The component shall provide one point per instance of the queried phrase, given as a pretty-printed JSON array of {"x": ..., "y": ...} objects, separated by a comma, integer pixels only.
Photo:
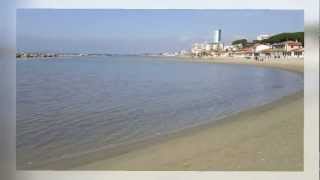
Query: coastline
[
  {"x": 291, "y": 64},
  {"x": 265, "y": 138}
]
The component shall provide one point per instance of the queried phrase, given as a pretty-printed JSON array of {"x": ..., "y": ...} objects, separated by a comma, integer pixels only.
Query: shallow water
[{"x": 70, "y": 106}]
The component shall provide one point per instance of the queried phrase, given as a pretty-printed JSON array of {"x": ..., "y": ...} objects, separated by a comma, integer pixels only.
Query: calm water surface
[{"x": 67, "y": 107}]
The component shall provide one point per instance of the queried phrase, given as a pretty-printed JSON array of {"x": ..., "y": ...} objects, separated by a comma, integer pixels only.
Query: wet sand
[{"x": 266, "y": 138}]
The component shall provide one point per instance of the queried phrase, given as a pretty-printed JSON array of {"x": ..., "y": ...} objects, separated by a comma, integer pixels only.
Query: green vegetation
[
  {"x": 240, "y": 41},
  {"x": 285, "y": 37}
]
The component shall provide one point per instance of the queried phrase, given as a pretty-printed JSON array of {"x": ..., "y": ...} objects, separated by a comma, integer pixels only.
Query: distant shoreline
[
  {"x": 290, "y": 64},
  {"x": 293, "y": 64}
]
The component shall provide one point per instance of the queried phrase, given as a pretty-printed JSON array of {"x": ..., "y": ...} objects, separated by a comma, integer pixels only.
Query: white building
[
  {"x": 230, "y": 48},
  {"x": 209, "y": 47},
  {"x": 261, "y": 47},
  {"x": 219, "y": 46},
  {"x": 197, "y": 48},
  {"x": 217, "y": 36},
  {"x": 214, "y": 46}
]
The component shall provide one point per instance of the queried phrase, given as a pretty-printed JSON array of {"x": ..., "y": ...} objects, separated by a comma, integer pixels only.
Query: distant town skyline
[{"x": 144, "y": 31}]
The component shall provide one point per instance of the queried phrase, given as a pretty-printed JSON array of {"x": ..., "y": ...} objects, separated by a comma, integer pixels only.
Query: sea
[{"x": 74, "y": 106}]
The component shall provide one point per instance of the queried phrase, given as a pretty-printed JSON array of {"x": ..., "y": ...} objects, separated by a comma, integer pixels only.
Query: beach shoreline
[
  {"x": 265, "y": 138},
  {"x": 291, "y": 64}
]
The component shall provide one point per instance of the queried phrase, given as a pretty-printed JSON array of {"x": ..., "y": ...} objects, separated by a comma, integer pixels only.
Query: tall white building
[{"x": 217, "y": 36}]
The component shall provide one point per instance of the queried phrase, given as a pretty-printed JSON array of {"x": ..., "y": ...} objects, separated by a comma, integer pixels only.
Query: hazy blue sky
[{"x": 140, "y": 31}]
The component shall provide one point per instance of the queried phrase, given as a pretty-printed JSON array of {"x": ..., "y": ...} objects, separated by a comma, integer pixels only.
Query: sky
[
  {"x": 7, "y": 25},
  {"x": 143, "y": 31}
]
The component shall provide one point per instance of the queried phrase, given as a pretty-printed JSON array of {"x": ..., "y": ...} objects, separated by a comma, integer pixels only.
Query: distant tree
[
  {"x": 240, "y": 41},
  {"x": 299, "y": 36}
]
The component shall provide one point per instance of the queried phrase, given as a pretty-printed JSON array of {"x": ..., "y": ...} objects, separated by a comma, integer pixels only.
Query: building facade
[{"x": 217, "y": 36}]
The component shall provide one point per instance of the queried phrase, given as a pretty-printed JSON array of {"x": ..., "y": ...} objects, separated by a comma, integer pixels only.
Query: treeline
[
  {"x": 240, "y": 41},
  {"x": 285, "y": 37}
]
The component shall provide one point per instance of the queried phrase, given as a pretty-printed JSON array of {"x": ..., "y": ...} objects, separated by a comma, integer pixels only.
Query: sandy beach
[{"x": 266, "y": 138}]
